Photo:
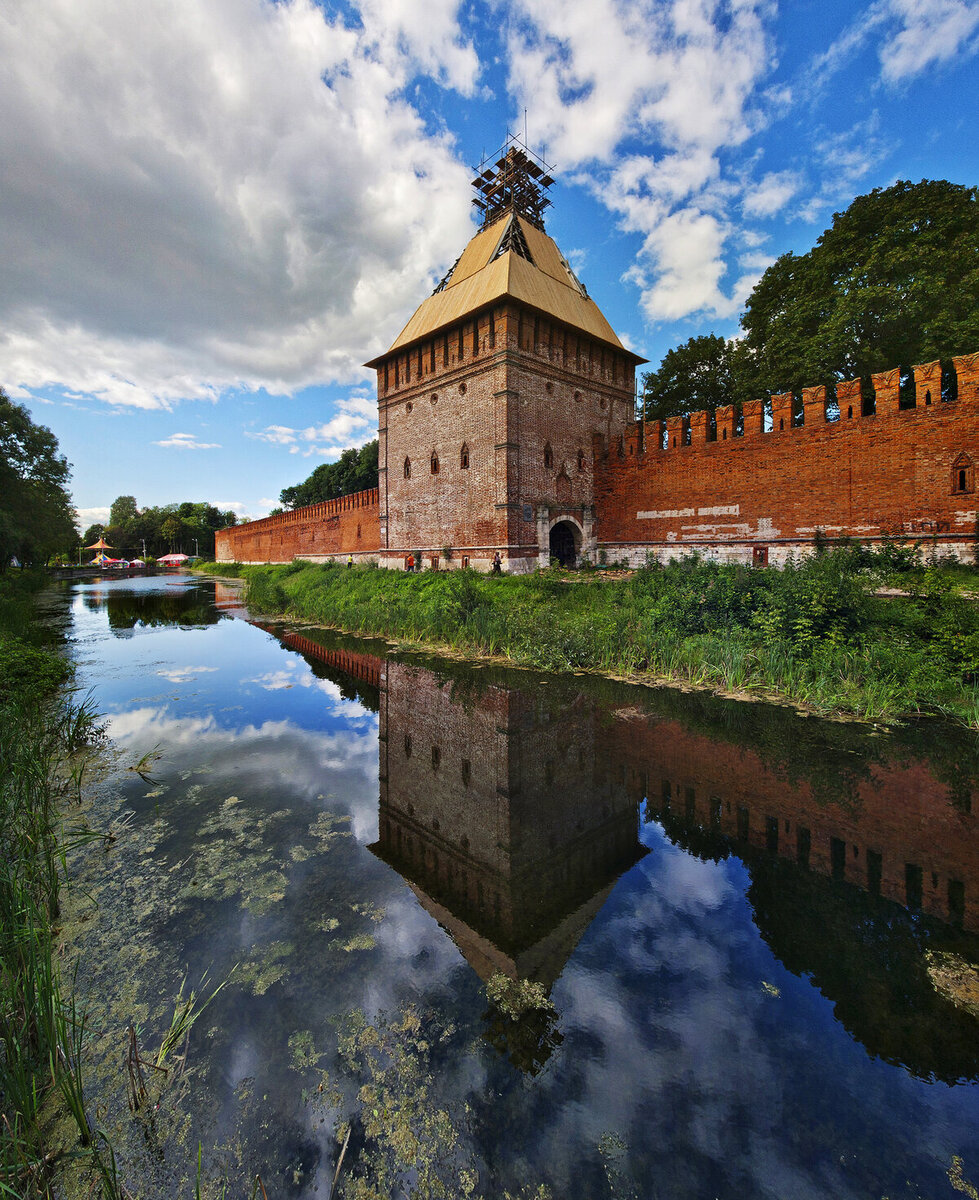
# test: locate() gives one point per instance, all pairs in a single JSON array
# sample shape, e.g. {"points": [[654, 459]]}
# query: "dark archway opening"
{"points": [[564, 543]]}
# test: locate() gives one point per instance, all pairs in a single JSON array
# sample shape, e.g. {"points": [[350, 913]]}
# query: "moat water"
{"points": [[727, 911]]}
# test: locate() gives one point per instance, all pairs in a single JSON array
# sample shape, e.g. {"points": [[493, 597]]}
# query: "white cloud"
{"points": [[683, 80], [99, 515], [187, 441], [770, 195], [268, 222], [912, 36], [930, 32], [353, 424]]}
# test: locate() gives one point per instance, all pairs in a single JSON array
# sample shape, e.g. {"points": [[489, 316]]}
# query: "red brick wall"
{"points": [[334, 529], [887, 475]]}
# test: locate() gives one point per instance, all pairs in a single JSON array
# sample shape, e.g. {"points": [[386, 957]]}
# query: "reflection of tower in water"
{"points": [[511, 813], [492, 807]]}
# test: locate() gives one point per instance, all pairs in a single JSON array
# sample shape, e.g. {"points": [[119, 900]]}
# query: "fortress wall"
{"points": [[334, 529], [895, 474]]}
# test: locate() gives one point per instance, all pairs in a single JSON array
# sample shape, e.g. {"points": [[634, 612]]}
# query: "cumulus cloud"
{"points": [[771, 194], [678, 79], [99, 515], [187, 441], [265, 223], [353, 424], [912, 35]]}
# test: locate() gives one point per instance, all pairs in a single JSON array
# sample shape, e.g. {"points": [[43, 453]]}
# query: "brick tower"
{"points": [[491, 395]]}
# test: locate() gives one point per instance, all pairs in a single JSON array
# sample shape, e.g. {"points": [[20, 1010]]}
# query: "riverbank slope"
{"points": [[819, 633]]}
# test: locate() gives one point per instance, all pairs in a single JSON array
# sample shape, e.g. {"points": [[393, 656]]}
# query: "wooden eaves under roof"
{"points": [[493, 268]]}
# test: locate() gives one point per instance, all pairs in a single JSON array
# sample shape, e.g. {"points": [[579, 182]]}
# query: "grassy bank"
{"points": [[816, 633], [44, 1125]]}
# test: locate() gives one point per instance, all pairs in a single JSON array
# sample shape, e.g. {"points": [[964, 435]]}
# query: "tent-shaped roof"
{"points": [[510, 259]]}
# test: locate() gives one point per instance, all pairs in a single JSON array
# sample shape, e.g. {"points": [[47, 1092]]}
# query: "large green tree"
{"points": [[696, 375], [354, 471], [36, 515], [893, 281]]}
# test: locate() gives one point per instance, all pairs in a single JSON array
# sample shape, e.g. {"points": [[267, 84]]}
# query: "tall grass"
{"points": [[42, 1030], [815, 632]]}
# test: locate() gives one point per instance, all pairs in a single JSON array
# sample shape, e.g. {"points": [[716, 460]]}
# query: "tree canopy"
{"points": [[354, 471], [893, 281], [188, 526], [693, 376], [36, 515]]}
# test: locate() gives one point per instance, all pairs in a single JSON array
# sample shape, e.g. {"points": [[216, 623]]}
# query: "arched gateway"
{"points": [[564, 543]]}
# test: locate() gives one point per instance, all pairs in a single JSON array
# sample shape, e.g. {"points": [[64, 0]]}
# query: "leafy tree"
{"points": [[36, 515], [92, 534], [894, 280], [354, 471], [694, 376], [171, 530], [124, 511]]}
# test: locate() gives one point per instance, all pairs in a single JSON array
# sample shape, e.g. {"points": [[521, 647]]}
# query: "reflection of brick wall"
{"points": [[889, 474], [898, 831], [334, 529]]}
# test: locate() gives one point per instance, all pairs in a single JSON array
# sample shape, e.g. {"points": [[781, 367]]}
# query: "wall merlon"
{"points": [[814, 406], [698, 428], [753, 412], [928, 384], [674, 432], [782, 412], [725, 422], [887, 387], [967, 374]]}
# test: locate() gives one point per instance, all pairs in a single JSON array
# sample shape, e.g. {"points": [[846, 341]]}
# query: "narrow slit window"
{"points": [[407, 468], [435, 464], [548, 457], [464, 457]]}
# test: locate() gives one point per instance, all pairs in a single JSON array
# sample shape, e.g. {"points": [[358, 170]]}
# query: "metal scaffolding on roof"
{"points": [[516, 183]]}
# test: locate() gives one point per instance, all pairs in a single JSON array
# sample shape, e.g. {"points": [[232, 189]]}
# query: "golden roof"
{"points": [[487, 272]]}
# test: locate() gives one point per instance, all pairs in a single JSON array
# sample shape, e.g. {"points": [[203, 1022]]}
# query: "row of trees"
{"points": [[354, 471], [36, 515], [893, 281], [188, 527]]}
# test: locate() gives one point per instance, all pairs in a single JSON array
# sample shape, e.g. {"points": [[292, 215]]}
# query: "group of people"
{"points": [[415, 564]]}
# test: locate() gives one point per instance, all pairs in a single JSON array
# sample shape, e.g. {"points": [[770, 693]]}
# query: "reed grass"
{"points": [[815, 633], [42, 1028]]}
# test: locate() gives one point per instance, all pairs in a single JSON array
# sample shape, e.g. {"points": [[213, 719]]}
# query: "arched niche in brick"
{"points": [[963, 475]]}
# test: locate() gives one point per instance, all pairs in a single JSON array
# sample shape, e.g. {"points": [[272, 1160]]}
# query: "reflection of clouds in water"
{"points": [[183, 674], [276, 753], [297, 673], [677, 1051]]}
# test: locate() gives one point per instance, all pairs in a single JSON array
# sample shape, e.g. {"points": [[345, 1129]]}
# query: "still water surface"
{"points": [[727, 908]]}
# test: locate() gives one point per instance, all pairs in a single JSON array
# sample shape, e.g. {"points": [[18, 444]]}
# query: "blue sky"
{"points": [[212, 212]]}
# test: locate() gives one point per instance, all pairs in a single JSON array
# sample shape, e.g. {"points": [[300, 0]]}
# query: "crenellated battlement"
{"points": [[347, 526], [894, 459], [312, 512], [790, 412]]}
